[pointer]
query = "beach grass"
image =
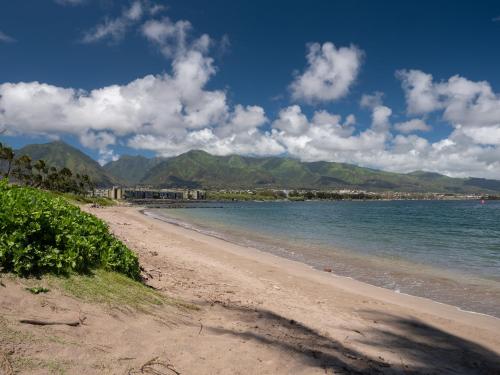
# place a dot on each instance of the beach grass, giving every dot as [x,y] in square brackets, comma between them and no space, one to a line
[81,199]
[116,291]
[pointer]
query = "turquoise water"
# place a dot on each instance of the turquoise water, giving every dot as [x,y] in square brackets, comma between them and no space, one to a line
[448,251]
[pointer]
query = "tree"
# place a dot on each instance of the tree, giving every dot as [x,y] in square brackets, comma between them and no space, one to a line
[40,175]
[23,171]
[309,195]
[41,172]
[88,183]
[52,179]
[8,155]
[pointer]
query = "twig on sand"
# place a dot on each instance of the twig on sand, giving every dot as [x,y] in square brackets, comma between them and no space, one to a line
[149,368]
[82,318]
[201,328]
[5,365]
[36,322]
[146,273]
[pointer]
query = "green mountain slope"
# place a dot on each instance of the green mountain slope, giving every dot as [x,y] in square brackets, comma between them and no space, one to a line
[60,154]
[131,169]
[198,169]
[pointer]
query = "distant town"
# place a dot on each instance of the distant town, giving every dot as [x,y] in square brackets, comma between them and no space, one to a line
[144,194]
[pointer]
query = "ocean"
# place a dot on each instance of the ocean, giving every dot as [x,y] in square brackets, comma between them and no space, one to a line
[448,251]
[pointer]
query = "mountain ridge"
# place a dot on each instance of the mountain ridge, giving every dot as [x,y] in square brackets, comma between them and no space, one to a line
[59,154]
[131,168]
[199,169]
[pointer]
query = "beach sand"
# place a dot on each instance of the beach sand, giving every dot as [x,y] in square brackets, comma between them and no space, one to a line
[261,314]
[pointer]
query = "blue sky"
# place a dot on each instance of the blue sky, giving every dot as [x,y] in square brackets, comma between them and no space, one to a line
[392,85]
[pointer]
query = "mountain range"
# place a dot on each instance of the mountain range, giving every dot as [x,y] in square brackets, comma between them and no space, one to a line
[59,154]
[199,169]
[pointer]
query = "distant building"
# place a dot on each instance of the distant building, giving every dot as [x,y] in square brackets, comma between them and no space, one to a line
[153,194]
[149,193]
[101,193]
[196,194]
[114,193]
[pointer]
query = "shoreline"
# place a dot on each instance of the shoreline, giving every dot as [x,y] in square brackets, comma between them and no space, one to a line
[166,203]
[356,284]
[281,316]
[192,227]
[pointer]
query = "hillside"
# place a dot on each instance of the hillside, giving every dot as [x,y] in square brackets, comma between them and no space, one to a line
[131,169]
[198,169]
[60,154]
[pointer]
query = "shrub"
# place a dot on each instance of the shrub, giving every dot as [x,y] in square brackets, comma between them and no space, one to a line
[40,233]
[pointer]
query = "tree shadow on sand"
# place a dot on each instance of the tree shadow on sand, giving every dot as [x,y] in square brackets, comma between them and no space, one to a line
[420,348]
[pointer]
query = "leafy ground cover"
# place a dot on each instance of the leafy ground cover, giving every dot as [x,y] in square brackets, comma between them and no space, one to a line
[40,233]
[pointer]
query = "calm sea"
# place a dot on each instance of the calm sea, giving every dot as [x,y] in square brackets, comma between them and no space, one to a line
[448,251]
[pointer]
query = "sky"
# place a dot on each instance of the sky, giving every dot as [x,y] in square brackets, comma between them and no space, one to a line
[392,85]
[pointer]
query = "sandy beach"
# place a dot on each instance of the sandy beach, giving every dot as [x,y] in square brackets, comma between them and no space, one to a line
[258,314]
[338,323]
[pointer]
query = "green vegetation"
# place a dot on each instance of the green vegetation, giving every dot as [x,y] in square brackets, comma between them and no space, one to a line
[61,155]
[294,195]
[131,169]
[23,170]
[265,195]
[117,291]
[198,169]
[38,290]
[82,199]
[43,234]
[327,195]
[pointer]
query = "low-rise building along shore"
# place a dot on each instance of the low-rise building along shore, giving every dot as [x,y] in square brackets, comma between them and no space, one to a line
[122,193]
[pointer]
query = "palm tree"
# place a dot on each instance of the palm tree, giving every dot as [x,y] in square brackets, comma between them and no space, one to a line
[23,170]
[41,168]
[8,155]
[67,183]
[38,174]
[88,183]
[52,180]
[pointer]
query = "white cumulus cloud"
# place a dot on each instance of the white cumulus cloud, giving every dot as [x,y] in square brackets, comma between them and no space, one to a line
[464,103]
[114,29]
[175,112]
[170,37]
[329,74]
[413,125]
[380,112]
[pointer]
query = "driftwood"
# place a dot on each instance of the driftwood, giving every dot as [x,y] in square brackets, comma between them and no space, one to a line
[149,368]
[36,322]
